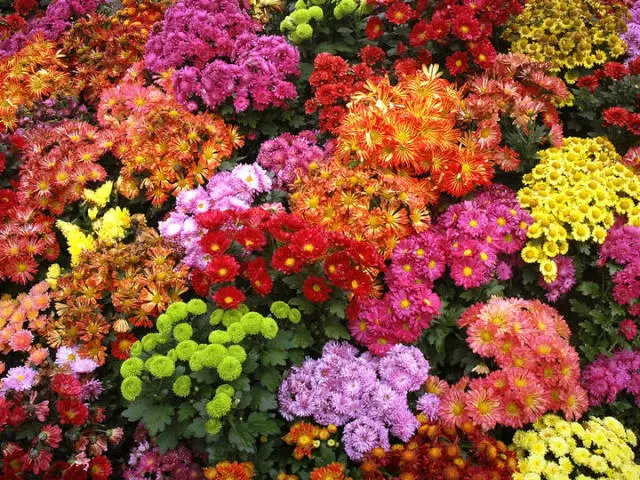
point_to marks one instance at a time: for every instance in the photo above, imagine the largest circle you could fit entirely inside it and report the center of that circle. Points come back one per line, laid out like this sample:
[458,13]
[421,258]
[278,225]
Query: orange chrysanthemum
[230,471]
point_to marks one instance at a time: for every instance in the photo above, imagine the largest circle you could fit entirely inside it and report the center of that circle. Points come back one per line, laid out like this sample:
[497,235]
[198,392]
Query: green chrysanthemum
[219,406]
[131,367]
[237,352]
[269,328]
[182,331]
[177,311]
[236,332]
[280,309]
[131,387]
[219,336]
[185,349]
[229,369]
[182,386]
[216,316]
[213,355]
[196,306]
[251,322]
[161,366]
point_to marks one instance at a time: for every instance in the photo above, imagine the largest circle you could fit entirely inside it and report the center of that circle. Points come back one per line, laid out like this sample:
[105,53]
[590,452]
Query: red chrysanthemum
[100,468]
[228,297]
[286,261]
[212,219]
[457,63]
[200,283]
[399,13]
[66,385]
[262,283]
[72,411]
[51,435]
[418,35]
[222,268]
[121,346]
[359,283]
[628,329]
[75,472]
[309,244]
[484,54]
[374,30]
[590,82]
[372,55]
[617,116]
[215,243]
[316,289]
[466,27]
[251,239]
[615,70]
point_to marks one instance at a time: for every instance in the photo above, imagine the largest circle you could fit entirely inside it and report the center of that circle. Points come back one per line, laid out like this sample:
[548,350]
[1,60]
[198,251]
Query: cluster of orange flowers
[306,437]
[163,148]
[230,471]
[440,452]
[375,206]
[33,73]
[411,128]
[58,162]
[333,471]
[139,280]
[98,49]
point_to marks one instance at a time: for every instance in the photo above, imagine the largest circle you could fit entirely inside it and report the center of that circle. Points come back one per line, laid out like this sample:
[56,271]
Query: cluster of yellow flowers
[573,194]
[569,33]
[111,227]
[559,450]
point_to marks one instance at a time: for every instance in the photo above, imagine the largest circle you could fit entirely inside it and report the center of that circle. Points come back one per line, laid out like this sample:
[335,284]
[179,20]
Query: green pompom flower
[186,349]
[280,309]
[196,362]
[182,331]
[150,342]
[219,406]
[131,367]
[213,426]
[316,12]
[172,354]
[213,355]
[237,352]
[251,322]
[236,332]
[196,306]
[161,366]
[131,387]
[164,324]
[300,5]
[226,389]
[136,349]
[269,328]
[177,311]
[229,369]
[231,316]
[219,336]
[243,309]
[182,386]
[216,316]
[301,16]
[294,315]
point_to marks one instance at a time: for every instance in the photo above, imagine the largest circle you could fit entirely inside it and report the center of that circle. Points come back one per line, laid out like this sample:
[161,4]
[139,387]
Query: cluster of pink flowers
[14,313]
[233,190]
[146,461]
[288,153]
[538,370]
[606,377]
[622,247]
[217,55]
[565,279]
[366,394]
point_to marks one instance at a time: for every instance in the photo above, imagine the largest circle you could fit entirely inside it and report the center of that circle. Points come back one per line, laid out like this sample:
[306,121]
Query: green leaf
[302,338]
[157,418]
[590,289]
[263,400]
[241,436]
[196,429]
[167,440]
[261,424]
[186,411]
[270,379]
[136,410]
[337,307]
[274,357]
[335,330]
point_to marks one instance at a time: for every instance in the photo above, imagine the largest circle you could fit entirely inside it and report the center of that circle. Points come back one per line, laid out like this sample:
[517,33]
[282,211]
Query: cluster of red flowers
[538,370]
[518,89]
[38,452]
[139,279]
[99,50]
[235,244]
[333,81]
[609,71]
[163,148]
[443,452]
[464,26]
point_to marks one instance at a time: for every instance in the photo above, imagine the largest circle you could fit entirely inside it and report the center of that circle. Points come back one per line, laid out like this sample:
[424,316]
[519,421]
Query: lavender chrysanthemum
[18,379]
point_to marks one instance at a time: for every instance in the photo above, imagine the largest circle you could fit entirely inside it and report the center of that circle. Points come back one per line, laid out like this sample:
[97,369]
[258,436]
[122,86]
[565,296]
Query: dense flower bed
[319,239]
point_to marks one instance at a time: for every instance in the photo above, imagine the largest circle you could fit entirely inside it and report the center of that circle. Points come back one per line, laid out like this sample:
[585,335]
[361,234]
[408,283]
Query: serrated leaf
[186,411]
[196,428]
[263,400]
[274,357]
[270,379]
[157,418]
[302,338]
[335,330]
[337,308]
[167,440]
[136,410]
[241,436]
[262,424]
